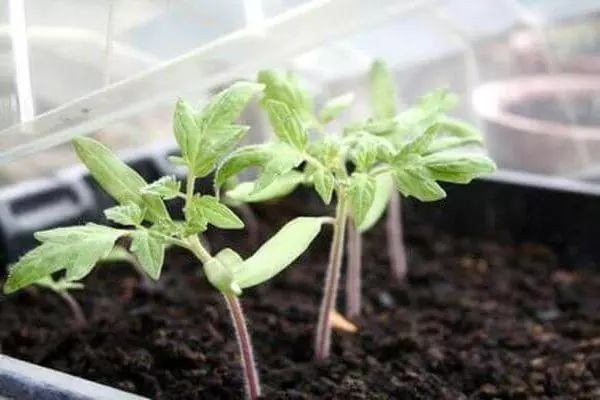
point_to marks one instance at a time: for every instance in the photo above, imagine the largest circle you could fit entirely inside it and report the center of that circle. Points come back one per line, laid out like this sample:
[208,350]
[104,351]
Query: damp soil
[475,319]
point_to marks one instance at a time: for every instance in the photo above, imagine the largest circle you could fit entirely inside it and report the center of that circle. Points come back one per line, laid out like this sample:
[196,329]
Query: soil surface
[476,319]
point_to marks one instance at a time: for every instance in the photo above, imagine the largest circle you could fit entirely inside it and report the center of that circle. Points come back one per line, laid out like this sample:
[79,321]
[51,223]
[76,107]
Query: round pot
[528,127]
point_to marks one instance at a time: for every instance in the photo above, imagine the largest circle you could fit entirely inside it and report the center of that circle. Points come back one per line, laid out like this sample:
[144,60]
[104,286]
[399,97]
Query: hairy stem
[251,223]
[78,315]
[323,335]
[353,281]
[251,380]
[395,238]
[196,247]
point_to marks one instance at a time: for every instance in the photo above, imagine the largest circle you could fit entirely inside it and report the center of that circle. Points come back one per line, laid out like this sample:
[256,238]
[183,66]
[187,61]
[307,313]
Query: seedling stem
[353,280]
[396,249]
[323,336]
[78,316]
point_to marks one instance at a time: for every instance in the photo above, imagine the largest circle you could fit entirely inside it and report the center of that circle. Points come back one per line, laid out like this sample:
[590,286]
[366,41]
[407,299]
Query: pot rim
[491,100]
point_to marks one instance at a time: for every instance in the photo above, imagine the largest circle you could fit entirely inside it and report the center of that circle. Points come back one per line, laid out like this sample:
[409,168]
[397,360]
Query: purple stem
[251,223]
[78,315]
[353,280]
[323,335]
[395,238]
[245,345]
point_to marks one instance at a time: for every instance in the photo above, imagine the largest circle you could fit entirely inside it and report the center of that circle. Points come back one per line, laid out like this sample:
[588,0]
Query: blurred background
[527,71]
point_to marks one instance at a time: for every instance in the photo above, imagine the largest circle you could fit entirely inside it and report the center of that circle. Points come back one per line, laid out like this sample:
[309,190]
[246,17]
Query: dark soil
[582,110]
[477,319]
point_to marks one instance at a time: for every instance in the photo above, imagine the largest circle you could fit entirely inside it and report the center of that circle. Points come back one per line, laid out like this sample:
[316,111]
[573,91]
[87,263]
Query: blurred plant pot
[541,123]
[585,65]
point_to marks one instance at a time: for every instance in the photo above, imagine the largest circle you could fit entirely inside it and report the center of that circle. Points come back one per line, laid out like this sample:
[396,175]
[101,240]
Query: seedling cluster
[358,169]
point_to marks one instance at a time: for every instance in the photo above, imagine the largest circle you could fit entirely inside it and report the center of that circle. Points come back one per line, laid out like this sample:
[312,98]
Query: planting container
[25,381]
[513,205]
[545,124]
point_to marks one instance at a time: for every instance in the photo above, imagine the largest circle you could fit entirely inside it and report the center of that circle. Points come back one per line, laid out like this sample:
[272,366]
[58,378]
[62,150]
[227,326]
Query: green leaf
[458,167]
[119,254]
[438,101]
[76,249]
[195,218]
[177,161]
[383,91]
[286,124]
[328,150]
[419,183]
[242,158]
[117,178]
[215,213]
[384,185]
[361,193]
[286,88]
[415,146]
[129,214]
[166,188]
[59,285]
[187,131]
[450,143]
[219,271]
[302,97]
[150,251]
[278,252]
[216,147]
[365,155]
[324,183]
[282,160]
[282,186]
[335,107]
[226,107]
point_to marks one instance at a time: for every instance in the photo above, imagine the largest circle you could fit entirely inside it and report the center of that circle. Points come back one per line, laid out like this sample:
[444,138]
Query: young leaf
[59,285]
[187,132]
[278,87]
[438,101]
[119,254]
[365,154]
[419,183]
[286,88]
[286,124]
[282,186]
[149,250]
[177,161]
[195,218]
[166,188]
[76,249]
[226,106]
[416,146]
[242,158]
[324,182]
[278,252]
[335,107]
[361,193]
[216,213]
[117,178]
[129,214]
[451,143]
[383,91]
[283,159]
[328,150]
[216,146]
[384,184]
[304,101]
[458,167]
